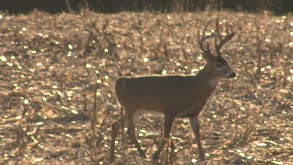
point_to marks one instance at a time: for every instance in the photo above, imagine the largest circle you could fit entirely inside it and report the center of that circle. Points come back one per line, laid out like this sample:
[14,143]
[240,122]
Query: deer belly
[190,111]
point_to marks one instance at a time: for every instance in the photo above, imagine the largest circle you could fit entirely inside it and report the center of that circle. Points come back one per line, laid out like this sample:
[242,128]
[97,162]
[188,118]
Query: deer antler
[206,51]
[222,40]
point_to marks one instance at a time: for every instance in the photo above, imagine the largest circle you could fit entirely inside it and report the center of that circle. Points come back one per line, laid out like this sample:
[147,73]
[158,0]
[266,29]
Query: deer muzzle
[232,75]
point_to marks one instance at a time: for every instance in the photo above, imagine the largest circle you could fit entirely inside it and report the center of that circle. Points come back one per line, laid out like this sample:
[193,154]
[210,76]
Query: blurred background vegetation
[277,7]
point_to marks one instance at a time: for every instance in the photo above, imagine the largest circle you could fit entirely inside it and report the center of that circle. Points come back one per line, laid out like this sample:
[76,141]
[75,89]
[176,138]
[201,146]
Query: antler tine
[223,41]
[206,50]
[200,40]
[217,26]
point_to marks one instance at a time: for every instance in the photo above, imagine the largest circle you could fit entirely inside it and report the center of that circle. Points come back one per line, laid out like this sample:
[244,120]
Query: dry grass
[58,71]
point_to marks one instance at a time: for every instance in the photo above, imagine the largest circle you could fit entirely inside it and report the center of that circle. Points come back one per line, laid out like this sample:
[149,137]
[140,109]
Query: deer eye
[219,65]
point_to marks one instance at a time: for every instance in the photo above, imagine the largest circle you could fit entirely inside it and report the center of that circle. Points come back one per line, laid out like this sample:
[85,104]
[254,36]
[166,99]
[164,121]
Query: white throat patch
[213,82]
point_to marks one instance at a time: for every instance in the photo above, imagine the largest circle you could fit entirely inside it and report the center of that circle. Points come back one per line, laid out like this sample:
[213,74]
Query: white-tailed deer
[173,96]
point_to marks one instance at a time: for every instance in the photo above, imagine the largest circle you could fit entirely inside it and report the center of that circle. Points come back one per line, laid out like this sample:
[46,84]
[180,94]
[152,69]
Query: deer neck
[208,79]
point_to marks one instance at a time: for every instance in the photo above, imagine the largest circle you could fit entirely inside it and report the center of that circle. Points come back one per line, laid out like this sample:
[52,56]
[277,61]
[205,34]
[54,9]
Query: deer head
[216,63]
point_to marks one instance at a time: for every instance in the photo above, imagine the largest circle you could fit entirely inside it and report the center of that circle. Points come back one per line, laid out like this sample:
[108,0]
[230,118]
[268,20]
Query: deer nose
[232,75]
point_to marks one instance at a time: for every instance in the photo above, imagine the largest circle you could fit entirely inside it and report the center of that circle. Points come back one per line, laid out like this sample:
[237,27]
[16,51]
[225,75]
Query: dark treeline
[111,6]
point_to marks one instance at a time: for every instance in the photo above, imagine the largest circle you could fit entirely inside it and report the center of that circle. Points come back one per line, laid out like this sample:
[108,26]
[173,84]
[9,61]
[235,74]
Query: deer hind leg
[167,129]
[132,119]
[194,122]
[116,126]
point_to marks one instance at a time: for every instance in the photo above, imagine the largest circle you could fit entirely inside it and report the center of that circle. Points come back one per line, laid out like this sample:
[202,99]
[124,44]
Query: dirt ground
[57,74]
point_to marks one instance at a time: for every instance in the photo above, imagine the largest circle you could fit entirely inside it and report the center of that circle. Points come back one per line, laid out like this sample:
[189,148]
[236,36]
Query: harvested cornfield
[57,80]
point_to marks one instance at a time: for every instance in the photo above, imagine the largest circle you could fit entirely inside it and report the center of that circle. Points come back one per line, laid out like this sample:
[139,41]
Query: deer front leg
[167,129]
[194,122]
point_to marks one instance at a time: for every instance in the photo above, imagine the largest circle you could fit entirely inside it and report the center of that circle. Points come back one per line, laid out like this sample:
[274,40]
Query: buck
[173,96]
